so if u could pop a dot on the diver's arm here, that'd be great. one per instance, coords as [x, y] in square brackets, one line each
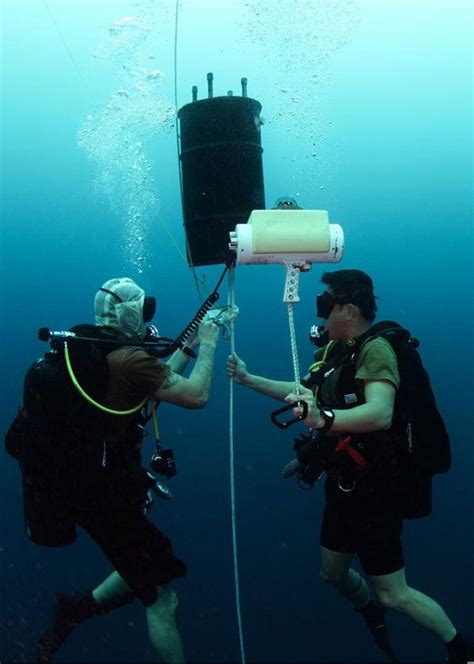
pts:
[373, 415]
[180, 360]
[193, 392]
[277, 389]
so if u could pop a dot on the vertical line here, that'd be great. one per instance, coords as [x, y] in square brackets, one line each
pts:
[69, 52]
[231, 302]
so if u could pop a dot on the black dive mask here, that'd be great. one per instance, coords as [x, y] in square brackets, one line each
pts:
[325, 304]
[149, 308]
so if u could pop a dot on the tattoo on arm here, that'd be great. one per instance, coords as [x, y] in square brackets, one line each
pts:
[204, 362]
[170, 381]
[179, 364]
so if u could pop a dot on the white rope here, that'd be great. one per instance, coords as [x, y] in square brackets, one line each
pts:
[231, 302]
[294, 348]
[291, 296]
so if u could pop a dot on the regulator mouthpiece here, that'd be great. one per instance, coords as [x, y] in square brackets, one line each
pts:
[319, 336]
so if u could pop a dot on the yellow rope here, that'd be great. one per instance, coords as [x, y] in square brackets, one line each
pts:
[69, 52]
[171, 238]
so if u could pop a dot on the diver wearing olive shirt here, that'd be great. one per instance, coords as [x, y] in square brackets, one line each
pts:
[365, 521]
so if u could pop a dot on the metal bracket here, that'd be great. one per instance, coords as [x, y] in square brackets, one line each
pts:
[293, 271]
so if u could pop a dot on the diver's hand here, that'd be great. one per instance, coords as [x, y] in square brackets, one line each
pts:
[236, 369]
[208, 332]
[229, 314]
[223, 315]
[313, 418]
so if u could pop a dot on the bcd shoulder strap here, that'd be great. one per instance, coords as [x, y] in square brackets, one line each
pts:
[347, 354]
[320, 370]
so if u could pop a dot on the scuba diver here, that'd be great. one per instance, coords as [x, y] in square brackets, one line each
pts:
[82, 466]
[350, 402]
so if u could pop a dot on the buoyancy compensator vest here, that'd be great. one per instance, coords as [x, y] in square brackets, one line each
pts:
[417, 445]
[58, 437]
[51, 404]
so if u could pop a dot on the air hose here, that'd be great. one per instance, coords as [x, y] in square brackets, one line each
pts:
[200, 315]
[88, 398]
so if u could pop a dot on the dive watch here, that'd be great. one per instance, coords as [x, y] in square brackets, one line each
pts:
[328, 416]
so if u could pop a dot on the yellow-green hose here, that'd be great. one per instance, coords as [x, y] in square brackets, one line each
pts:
[84, 394]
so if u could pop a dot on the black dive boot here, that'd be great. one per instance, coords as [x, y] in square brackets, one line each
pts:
[374, 616]
[460, 650]
[68, 612]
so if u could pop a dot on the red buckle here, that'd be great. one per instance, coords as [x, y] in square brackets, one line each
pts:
[344, 445]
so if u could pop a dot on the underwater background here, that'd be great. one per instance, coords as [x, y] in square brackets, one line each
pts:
[368, 114]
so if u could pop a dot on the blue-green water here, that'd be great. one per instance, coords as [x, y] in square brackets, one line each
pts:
[368, 109]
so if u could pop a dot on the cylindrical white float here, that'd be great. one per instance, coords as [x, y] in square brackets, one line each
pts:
[286, 236]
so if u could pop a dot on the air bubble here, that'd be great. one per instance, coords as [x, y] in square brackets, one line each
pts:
[117, 137]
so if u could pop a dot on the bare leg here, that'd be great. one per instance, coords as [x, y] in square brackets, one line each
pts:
[113, 586]
[164, 635]
[335, 569]
[393, 592]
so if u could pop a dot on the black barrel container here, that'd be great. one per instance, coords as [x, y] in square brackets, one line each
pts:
[222, 172]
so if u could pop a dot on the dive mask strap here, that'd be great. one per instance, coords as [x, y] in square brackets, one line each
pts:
[106, 290]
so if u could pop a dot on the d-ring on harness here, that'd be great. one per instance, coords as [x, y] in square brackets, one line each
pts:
[344, 445]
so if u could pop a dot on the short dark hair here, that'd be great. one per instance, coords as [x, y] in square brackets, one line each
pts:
[353, 284]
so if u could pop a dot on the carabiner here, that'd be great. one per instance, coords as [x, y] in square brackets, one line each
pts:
[285, 409]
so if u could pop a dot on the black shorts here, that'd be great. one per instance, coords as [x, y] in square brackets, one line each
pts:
[112, 514]
[376, 541]
[136, 548]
